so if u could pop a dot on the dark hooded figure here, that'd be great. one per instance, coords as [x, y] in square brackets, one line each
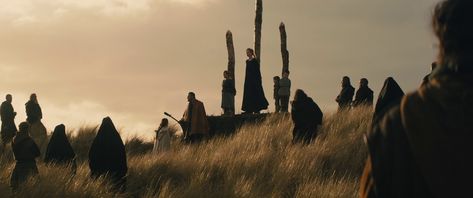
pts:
[107, 155]
[422, 147]
[345, 97]
[33, 110]
[7, 114]
[26, 151]
[306, 116]
[390, 96]
[59, 149]
[364, 95]
[253, 96]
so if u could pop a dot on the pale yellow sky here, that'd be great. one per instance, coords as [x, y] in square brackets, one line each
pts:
[135, 59]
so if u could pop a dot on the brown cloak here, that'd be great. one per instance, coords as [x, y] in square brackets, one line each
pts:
[198, 123]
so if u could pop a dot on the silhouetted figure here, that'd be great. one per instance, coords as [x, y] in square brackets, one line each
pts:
[228, 94]
[364, 95]
[107, 155]
[195, 120]
[59, 150]
[34, 115]
[7, 114]
[277, 105]
[33, 110]
[389, 96]
[162, 142]
[426, 79]
[345, 97]
[284, 91]
[307, 117]
[422, 147]
[25, 151]
[253, 96]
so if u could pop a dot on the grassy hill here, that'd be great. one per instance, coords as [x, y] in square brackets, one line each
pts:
[259, 161]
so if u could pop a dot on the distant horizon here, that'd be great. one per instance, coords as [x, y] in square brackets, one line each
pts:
[136, 59]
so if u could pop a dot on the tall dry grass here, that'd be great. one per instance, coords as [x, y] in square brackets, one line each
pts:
[259, 161]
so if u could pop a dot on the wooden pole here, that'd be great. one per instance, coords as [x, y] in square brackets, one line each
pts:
[284, 52]
[231, 59]
[258, 26]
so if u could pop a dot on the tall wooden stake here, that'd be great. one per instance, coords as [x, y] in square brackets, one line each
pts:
[231, 58]
[284, 52]
[258, 26]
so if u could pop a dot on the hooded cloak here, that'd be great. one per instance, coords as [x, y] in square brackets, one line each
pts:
[390, 96]
[107, 155]
[59, 149]
[306, 116]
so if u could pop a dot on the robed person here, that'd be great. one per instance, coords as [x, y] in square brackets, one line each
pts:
[307, 117]
[194, 120]
[364, 95]
[254, 99]
[59, 150]
[34, 115]
[422, 147]
[389, 96]
[107, 155]
[25, 151]
[345, 97]
[7, 114]
[228, 94]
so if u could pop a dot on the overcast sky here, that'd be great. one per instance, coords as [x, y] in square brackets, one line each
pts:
[134, 59]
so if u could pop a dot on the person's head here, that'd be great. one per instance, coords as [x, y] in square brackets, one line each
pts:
[452, 24]
[250, 53]
[33, 97]
[285, 74]
[191, 97]
[276, 79]
[226, 74]
[9, 98]
[299, 95]
[164, 122]
[23, 127]
[363, 82]
[346, 81]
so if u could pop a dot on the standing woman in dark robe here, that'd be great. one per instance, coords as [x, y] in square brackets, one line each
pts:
[307, 117]
[25, 151]
[253, 96]
[390, 96]
[59, 149]
[107, 155]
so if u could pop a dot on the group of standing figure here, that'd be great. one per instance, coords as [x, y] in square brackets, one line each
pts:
[363, 97]
[107, 156]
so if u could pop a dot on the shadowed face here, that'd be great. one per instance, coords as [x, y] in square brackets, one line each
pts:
[249, 53]
[190, 97]
[9, 98]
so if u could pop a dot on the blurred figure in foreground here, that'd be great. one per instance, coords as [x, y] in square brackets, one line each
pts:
[422, 148]
[25, 151]
[307, 117]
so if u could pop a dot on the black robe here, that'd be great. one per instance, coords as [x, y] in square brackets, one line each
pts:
[107, 155]
[253, 96]
[306, 116]
[33, 112]
[390, 96]
[364, 96]
[8, 129]
[345, 97]
[59, 149]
